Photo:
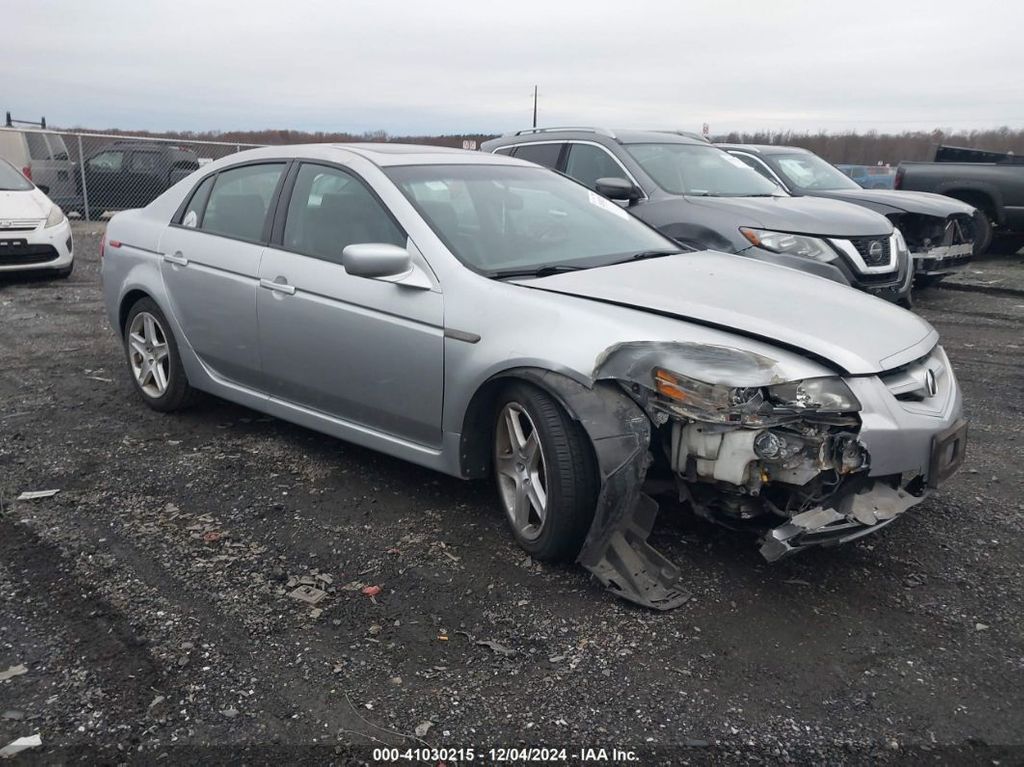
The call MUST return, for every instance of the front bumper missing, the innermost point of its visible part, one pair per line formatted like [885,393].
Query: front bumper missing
[856,516]
[616,548]
[864,513]
[942,259]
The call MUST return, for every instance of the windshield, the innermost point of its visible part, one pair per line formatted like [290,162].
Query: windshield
[11,179]
[701,170]
[499,219]
[808,171]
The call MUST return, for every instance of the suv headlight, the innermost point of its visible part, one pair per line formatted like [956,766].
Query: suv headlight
[793,244]
[55,217]
[752,406]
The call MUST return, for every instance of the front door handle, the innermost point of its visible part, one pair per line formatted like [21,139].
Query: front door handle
[280,287]
[177,258]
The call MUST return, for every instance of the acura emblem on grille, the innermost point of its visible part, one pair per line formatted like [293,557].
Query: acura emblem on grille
[930,384]
[875,249]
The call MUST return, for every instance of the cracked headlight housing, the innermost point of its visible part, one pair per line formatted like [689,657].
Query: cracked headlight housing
[752,406]
[56,216]
[822,395]
[791,244]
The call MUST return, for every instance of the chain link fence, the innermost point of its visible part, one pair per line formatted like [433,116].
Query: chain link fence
[91,175]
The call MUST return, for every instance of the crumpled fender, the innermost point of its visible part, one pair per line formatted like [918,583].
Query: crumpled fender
[616,548]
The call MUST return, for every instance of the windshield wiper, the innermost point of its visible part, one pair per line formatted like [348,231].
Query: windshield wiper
[540,271]
[644,254]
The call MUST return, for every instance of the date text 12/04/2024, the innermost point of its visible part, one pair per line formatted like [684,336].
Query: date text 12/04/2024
[521,754]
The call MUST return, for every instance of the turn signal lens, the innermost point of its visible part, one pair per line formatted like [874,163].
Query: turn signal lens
[668,385]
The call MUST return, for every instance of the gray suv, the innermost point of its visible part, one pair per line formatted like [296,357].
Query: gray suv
[704,198]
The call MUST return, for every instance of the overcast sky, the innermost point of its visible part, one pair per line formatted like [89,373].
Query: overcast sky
[440,66]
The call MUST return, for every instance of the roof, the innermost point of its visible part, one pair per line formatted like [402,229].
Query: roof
[381,154]
[533,135]
[765,148]
[656,137]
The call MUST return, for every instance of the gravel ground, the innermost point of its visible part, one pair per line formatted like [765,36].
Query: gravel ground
[148,599]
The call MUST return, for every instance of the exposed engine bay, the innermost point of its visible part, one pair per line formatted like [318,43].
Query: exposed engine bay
[780,459]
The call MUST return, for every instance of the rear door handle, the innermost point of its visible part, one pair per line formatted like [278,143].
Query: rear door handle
[280,287]
[177,258]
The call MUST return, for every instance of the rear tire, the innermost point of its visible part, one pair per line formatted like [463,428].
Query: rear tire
[153,359]
[545,472]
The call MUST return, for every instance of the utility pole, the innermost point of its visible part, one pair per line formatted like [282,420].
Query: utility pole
[534,106]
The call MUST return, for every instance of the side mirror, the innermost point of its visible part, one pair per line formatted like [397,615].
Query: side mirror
[376,260]
[43,189]
[617,189]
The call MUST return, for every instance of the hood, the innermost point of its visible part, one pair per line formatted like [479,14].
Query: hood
[895,200]
[855,332]
[30,203]
[799,215]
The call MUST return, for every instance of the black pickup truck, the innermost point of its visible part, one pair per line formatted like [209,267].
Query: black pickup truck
[990,181]
[131,174]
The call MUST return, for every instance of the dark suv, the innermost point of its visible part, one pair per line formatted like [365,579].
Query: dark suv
[705,198]
[940,231]
[131,174]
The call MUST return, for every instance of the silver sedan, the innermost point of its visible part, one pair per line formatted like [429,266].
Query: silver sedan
[482,316]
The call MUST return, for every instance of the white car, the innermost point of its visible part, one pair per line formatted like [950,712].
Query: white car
[34,233]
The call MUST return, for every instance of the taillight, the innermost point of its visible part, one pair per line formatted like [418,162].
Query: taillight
[27,170]
[897,183]
[104,242]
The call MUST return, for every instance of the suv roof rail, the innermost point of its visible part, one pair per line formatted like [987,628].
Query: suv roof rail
[687,134]
[601,131]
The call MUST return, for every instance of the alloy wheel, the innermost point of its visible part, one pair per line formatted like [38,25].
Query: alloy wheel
[148,354]
[519,462]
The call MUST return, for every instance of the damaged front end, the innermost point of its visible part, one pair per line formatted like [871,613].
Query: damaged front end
[745,447]
[938,246]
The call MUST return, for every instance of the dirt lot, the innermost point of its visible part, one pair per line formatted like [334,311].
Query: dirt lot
[148,598]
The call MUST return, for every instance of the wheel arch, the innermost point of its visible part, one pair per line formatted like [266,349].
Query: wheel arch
[985,199]
[477,422]
[128,300]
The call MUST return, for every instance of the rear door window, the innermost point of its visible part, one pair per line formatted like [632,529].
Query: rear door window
[542,154]
[240,199]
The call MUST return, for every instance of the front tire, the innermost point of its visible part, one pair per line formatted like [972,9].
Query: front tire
[545,472]
[982,233]
[153,358]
